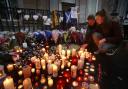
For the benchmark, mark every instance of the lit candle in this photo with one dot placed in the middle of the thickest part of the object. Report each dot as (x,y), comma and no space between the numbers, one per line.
(80,64)
(20,87)
(82,56)
(69,64)
(73,71)
(60,48)
(8,83)
(74,83)
(68,53)
(50,82)
(62,66)
(63,53)
(33,70)
(50,68)
(46,56)
(43,49)
(43,80)
(27,84)
(63,60)
(43,64)
(37,64)
(10,67)
(80,52)
(20,73)
(93,58)
(92,70)
(55,70)
(73,52)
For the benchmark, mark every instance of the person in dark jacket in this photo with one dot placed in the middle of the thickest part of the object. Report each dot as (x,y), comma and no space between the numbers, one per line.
(107,34)
(91,26)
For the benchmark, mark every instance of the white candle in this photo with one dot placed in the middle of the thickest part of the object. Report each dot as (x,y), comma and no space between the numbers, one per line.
(10,67)
(50,82)
(80,64)
(8,83)
(37,64)
(63,52)
(27,83)
(68,53)
(55,70)
(43,64)
(73,71)
(50,68)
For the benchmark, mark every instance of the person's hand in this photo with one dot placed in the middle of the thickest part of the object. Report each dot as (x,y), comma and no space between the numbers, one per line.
(84,46)
(102,41)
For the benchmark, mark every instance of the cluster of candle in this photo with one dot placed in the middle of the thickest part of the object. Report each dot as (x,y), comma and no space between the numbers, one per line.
(72,60)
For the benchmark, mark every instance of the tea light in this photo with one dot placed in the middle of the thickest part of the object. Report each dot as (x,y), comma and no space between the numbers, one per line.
(10,67)
(85,79)
(92,70)
(86,74)
(33,70)
(73,71)
(8,83)
(87,64)
(50,82)
(93,58)
(74,83)
(20,73)
(20,87)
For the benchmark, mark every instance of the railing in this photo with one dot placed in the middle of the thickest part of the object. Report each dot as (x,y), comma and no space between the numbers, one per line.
(13,19)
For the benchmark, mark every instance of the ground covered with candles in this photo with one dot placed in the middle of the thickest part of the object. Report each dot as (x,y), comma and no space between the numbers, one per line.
(51,67)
